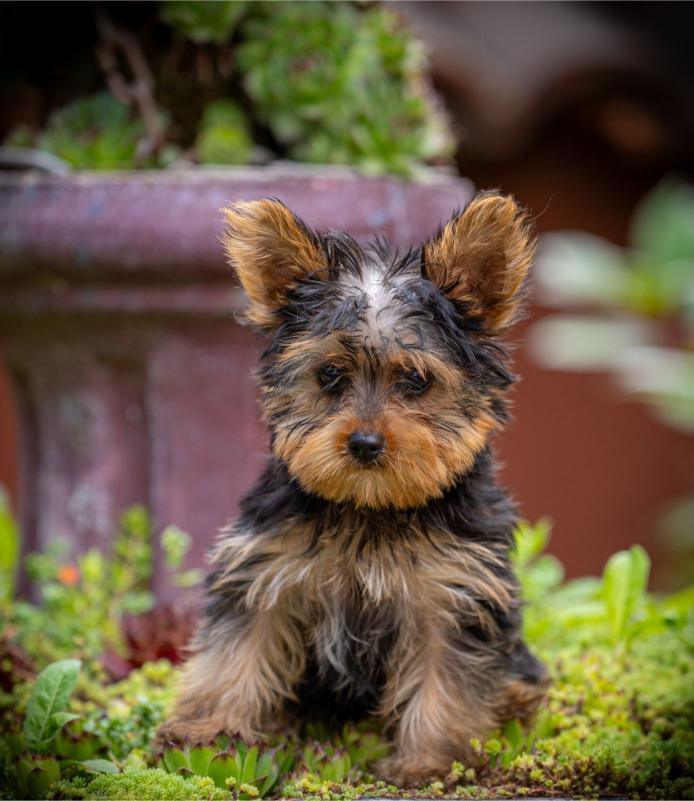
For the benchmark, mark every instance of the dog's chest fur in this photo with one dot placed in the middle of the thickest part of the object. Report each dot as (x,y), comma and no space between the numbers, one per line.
(353,595)
(358,585)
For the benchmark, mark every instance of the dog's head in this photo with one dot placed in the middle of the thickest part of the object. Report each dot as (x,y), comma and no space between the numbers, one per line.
(384,377)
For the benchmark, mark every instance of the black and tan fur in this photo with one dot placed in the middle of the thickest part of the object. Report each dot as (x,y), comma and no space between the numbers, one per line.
(346,589)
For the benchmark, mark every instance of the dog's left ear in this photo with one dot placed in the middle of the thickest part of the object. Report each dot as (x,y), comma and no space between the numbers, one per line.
(271,250)
(482,257)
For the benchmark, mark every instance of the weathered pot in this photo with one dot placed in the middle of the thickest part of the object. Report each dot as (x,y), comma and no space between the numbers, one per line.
(132,378)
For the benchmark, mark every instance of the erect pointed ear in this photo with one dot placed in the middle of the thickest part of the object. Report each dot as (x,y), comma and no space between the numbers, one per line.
(482,257)
(270,249)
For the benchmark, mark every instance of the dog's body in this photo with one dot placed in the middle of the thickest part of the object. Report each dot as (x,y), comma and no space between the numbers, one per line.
(369,570)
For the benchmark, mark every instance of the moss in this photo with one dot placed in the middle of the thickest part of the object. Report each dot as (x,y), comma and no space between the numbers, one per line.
(147,785)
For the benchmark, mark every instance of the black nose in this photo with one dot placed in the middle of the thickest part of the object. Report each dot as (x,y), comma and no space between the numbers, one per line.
(365,446)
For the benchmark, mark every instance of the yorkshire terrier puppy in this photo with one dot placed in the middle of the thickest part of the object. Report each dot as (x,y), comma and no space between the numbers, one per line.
(368,572)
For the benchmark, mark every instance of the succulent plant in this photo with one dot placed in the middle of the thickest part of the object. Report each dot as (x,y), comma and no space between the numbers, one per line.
(338,83)
(203,21)
(224,136)
(340,758)
(95,133)
(246,771)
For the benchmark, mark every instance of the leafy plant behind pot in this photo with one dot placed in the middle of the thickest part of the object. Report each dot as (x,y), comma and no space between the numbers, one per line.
(95,133)
(336,83)
(203,21)
(224,137)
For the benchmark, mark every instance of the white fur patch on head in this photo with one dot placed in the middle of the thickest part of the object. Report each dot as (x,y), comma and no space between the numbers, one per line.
(378,291)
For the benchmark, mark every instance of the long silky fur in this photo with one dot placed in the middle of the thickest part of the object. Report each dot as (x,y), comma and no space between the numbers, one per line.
(342,591)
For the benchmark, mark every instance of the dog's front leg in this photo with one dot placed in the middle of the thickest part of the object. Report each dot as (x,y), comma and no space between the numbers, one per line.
(244,669)
(435,700)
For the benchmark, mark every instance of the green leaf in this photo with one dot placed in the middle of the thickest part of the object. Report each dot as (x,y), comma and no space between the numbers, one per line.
(9,548)
(203,21)
(173,759)
(663,226)
(577,268)
(99,766)
(175,543)
(38,783)
(80,748)
(16,743)
(513,731)
(221,768)
(530,541)
(625,579)
(52,690)
(36,775)
(577,343)
(200,759)
(249,763)
(663,377)
(59,719)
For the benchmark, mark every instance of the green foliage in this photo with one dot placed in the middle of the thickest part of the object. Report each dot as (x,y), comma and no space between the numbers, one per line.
(224,137)
(121,718)
(624,584)
(618,718)
(335,83)
(175,544)
(95,133)
(32,758)
(663,239)
(9,549)
(320,81)
(337,759)
(609,612)
(83,600)
(203,21)
(45,714)
(629,302)
(246,771)
(539,573)
(634,291)
(145,785)
(35,775)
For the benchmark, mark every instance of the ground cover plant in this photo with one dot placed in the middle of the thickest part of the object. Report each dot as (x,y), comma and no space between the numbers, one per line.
(86,676)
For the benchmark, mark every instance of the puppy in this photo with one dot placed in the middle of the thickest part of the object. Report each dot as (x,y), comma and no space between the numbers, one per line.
(368,572)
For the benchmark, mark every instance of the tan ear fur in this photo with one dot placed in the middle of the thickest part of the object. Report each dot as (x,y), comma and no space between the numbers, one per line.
(482,257)
(270,249)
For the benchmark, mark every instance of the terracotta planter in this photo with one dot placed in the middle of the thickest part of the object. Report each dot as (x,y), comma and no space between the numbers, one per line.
(132,378)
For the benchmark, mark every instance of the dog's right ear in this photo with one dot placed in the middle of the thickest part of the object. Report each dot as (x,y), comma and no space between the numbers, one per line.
(271,250)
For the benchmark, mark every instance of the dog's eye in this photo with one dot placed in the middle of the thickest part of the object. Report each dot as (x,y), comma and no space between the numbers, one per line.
(412,382)
(332,377)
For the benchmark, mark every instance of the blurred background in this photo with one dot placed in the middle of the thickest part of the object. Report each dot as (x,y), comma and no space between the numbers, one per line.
(584,111)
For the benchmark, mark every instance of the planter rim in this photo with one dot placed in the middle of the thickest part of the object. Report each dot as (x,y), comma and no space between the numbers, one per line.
(275,171)
(89,240)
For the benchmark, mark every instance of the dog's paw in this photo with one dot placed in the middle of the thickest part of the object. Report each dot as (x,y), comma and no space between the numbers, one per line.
(182,731)
(410,771)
